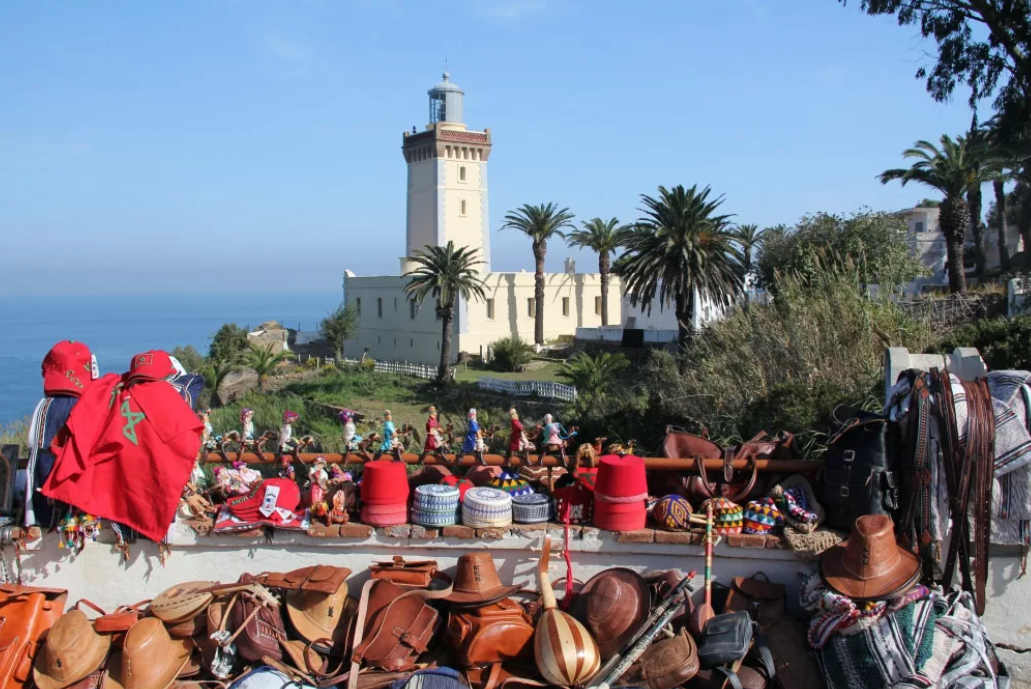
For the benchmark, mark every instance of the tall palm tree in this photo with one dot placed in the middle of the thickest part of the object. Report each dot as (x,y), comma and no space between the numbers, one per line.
(539,223)
(951,170)
(999,179)
(749,238)
(263,361)
(603,237)
(679,252)
(445,273)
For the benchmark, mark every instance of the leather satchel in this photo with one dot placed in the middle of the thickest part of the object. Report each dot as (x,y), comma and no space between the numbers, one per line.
(792,656)
(318,578)
(859,475)
(762,599)
(26,613)
(666,664)
(259,628)
(399,626)
(725,639)
(114,622)
(405,573)
(497,633)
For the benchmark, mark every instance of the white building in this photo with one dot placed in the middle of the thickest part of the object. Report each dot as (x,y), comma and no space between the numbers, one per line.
(448,201)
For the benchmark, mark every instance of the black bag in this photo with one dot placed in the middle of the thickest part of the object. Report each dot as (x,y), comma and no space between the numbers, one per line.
(725,639)
(860,470)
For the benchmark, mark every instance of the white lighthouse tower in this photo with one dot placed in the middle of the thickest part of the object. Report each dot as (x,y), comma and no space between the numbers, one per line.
(447,178)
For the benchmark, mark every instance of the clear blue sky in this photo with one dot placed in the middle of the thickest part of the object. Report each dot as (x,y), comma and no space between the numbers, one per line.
(200,145)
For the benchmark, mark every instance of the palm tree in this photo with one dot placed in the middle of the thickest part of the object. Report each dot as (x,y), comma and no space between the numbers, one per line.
(749,238)
(445,273)
(679,252)
(999,179)
(539,223)
(603,237)
(215,371)
(592,376)
(951,170)
(263,361)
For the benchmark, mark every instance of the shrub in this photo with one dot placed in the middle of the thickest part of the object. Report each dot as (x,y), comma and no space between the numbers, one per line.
(1004,343)
(190,358)
(312,363)
(593,376)
(369,364)
(511,354)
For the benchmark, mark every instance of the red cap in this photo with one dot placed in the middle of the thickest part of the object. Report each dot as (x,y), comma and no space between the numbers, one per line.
(621,477)
(385,515)
(281,493)
(384,482)
(462,484)
(148,366)
(615,516)
(67,369)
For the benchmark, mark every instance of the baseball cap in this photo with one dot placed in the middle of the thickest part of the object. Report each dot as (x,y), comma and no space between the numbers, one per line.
(150,366)
(68,369)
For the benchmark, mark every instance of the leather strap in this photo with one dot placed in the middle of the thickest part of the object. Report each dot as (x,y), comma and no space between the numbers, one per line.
(764,652)
(89,604)
(730,675)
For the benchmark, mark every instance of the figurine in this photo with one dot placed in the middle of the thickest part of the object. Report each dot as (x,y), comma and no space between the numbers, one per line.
(390,444)
(518,443)
(351,437)
(555,437)
(474,439)
(318,482)
(286,468)
(247,419)
(208,436)
(434,441)
(286,431)
(338,514)
(337,476)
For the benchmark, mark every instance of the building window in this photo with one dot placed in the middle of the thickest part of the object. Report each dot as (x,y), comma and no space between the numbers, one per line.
(413,308)
(395,304)
(461,173)
(490,309)
(462,207)
(920,226)
(597,306)
(358,306)
(379,307)
(531,307)
(379,339)
(411,343)
(565,306)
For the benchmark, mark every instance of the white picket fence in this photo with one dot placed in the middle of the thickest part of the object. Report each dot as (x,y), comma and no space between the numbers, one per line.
(403,368)
(523,388)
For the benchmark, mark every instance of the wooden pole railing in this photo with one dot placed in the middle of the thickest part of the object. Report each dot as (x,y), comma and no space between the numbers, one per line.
(787,466)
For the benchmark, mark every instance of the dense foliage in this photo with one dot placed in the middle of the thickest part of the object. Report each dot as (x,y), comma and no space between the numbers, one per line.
(874,243)
(510,354)
(339,325)
(593,376)
(229,343)
(1004,343)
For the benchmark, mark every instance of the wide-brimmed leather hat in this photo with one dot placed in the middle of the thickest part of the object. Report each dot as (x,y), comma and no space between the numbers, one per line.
(477,582)
(182,602)
(316,616)
(612,605)
(72,651)
(870,565)
(150,658)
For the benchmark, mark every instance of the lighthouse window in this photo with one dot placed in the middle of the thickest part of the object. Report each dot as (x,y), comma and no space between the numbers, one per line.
(461,174)
(463,207)
(565,306)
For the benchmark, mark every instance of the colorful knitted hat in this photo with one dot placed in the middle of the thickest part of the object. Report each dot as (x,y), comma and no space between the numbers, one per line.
(486,507)
(797,502)
(728,517)
(762,516)
(513,484)
(672,513)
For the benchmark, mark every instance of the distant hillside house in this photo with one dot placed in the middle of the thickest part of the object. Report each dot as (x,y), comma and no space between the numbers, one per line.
(447,200)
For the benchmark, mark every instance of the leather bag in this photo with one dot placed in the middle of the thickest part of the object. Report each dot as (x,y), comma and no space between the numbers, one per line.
(666,664)
(792,656)
(497,633)
(725,639)
(762,599)
(859,474)
(259,628)
(398,628)
(111,623)
(405,573)
(26,613)
(317,579)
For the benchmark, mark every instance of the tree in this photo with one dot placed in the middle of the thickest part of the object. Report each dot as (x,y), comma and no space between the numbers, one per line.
(445,274)
(229,343)
(189,357)
(340,325)
(510,353)
(749,237)
(592,376)
(214,372)
(603,237)
(985,44)
(982,164)
(263,361)
(951,170)
(539,223)
(679,252)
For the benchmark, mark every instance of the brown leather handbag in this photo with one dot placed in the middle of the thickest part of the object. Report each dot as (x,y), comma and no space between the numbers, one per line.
(405,573)
(762,599)
(259,628)
(497,633)
(666,664)
(26,613)
(399,626)
(792,656)
(318,579)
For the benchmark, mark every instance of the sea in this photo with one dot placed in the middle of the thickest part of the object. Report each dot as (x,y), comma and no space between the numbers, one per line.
(117,326)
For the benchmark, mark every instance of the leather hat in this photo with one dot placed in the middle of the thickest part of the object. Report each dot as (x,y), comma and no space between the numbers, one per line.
(182,602)
(870,565)
(317,616)
(613,605)
(150,658)
(477,582)
(72,651)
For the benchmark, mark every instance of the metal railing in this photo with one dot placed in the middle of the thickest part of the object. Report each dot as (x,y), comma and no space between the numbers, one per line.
(525,388)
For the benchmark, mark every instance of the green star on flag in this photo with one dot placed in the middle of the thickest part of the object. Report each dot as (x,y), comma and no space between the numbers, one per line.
(131,419)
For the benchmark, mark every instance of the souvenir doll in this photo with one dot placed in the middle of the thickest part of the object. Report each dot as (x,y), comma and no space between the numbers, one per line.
(474,438)
(337,476)
(245,477)
(518,443)
(247,420)
(286,431)
(338,513)
(286,468)
(351,437)
(434,441)
(318,482)
(390,441)
(208,436)
(555,437)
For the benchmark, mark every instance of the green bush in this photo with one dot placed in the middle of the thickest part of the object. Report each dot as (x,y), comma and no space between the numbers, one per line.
(312,363)
(511,354)
(1004,343)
